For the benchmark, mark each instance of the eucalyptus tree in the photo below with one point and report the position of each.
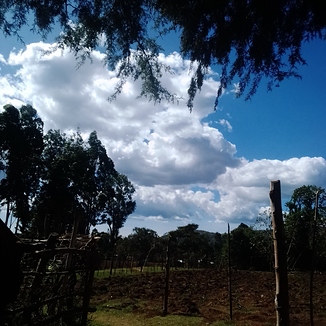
(298, 222)
(21, 146)
(103, 174)
(116, 202)
(117, 207)
(250, 40)
(190, 245)
(75, 174)
(143, 242)
(55, 204)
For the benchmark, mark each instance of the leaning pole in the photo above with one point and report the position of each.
(281, 276)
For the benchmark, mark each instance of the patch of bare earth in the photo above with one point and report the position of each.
(204, 293)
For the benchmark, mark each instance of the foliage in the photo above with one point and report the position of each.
(250, 40)
(21, 145)
(298, 226)
(142, 242)
(80, 181)
(103, 244)
(191, 247)
(244, 253)
(52, 180)
(118, 207)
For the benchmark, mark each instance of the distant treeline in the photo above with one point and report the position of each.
(251, 247)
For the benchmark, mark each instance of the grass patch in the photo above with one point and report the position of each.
(103, 273)
(124, 313)
(120, 318)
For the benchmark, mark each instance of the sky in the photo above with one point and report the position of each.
(206, 167)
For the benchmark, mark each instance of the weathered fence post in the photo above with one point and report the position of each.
(230, 271)
(282, 295)
(167, 277)
(313, 258)
(93, 263)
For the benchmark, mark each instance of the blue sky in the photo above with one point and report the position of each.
(208, 168)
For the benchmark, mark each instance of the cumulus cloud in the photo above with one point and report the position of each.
(244, 190)
(167, 152)
(226, 124)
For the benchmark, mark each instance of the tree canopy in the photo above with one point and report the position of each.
(21, 146)
(299, 224)
(49, 181)
(250, 40)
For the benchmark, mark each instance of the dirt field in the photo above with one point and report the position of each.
(205, 293)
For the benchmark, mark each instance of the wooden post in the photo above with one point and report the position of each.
(167, 278)
(313, 258)
(92, 258)
(72, 244)
(282, 295)
(230, 271)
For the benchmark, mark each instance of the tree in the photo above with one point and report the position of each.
(241, 247)
(77, 182)
(117, 204)
(52, 205)
(262, 240)
(298, 226)
(103, 174)
(66, 185)
(103, 244)
(191, 245)
(143, 241)
(21, 146)
(250, 40)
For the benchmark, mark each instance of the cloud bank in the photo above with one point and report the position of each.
(184, 170)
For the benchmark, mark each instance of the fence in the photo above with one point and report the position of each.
(56, 287)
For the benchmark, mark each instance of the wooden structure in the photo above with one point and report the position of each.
(11, 251)
(281, 276)
(54, 292)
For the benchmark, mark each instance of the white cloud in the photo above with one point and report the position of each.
(245, 189)
(166, 151)
(226, 124)
(2, 59)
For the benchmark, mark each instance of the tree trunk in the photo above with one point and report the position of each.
(147, 256)
(282, 295)
(8, 213)
(167, 278)
(112, 259)
(230, 271)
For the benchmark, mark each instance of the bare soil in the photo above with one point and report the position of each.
(204, 293)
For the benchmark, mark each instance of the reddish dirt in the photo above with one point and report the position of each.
(205, 293)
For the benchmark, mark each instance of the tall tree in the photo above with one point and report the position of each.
(190, 245)
(75, 176)
(143, 242)
(117, 204)
(298, 225)
(103, 173)
(21, 146)
(56, 202)
(250, 40)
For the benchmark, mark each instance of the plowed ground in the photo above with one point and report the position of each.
(205, 293)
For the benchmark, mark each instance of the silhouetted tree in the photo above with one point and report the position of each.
(21, 146)
(298, 226)
(143, 242)
(117, 204)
